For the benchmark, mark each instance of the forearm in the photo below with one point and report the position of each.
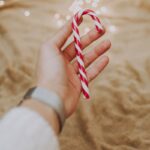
(23, 128)
(45, 111)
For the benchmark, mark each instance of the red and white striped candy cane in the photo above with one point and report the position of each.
(78, 46)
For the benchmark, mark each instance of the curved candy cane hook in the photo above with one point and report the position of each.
(78, 46)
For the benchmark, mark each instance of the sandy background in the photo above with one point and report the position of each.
(118, 116)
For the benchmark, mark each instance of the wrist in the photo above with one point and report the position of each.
(65, 97)
(53, 88)
(45, 111)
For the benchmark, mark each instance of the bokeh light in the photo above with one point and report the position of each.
(27, 13)
(112, 28)
(2, 2)
(101, 10)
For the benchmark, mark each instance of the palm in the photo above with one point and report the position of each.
(73, 79)
(68, 81)
(63, 77)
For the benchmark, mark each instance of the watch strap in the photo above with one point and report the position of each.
(49, 98)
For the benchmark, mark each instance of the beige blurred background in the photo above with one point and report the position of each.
(118, 116)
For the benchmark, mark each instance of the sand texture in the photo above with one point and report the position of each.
(118, 116)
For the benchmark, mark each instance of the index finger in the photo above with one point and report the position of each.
(61, 37)
(86, 40)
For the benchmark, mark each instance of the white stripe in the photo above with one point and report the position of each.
(78, 48)
(98, 25)
(76, 35)
(92, 14)
(75, 23)
(82, 73)
(80, 61)
(81, 12)
(96, 22)
(85, 87)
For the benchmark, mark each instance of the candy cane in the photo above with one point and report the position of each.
(78, 46)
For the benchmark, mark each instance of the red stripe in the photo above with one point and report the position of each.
(77, 18)
(75, 28)
(84, 80)
(82, 68)
(97, 20)
(78, 53)
(99, 29)
(77, 42)
(85, 94)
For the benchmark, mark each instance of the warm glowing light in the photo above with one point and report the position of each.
(104, 9)
(96, 1)
(91, 1)
(76, 6)
(98, 12)
(2, 2)
(88, 1)
(81, 2)
(112, 29)
(27, 13)
(68, 17)
(60, 23)
(57, 16)
(94, 4)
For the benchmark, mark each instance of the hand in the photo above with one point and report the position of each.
(57, 68)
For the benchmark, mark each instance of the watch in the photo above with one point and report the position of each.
(49, 98)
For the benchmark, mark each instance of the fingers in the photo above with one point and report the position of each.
(86, 40)
(61, 37)
(94, 70)
(91, 56)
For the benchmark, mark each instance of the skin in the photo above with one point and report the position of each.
(57, 71)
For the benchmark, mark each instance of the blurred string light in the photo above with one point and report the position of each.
(80, 4)
(2, 2)
(27, 13)
(57, 16)
(68, 17)
(112, 28)
(104, 10)
(60, 22)
(75, 6)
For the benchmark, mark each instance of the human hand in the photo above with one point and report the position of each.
(57, 68)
